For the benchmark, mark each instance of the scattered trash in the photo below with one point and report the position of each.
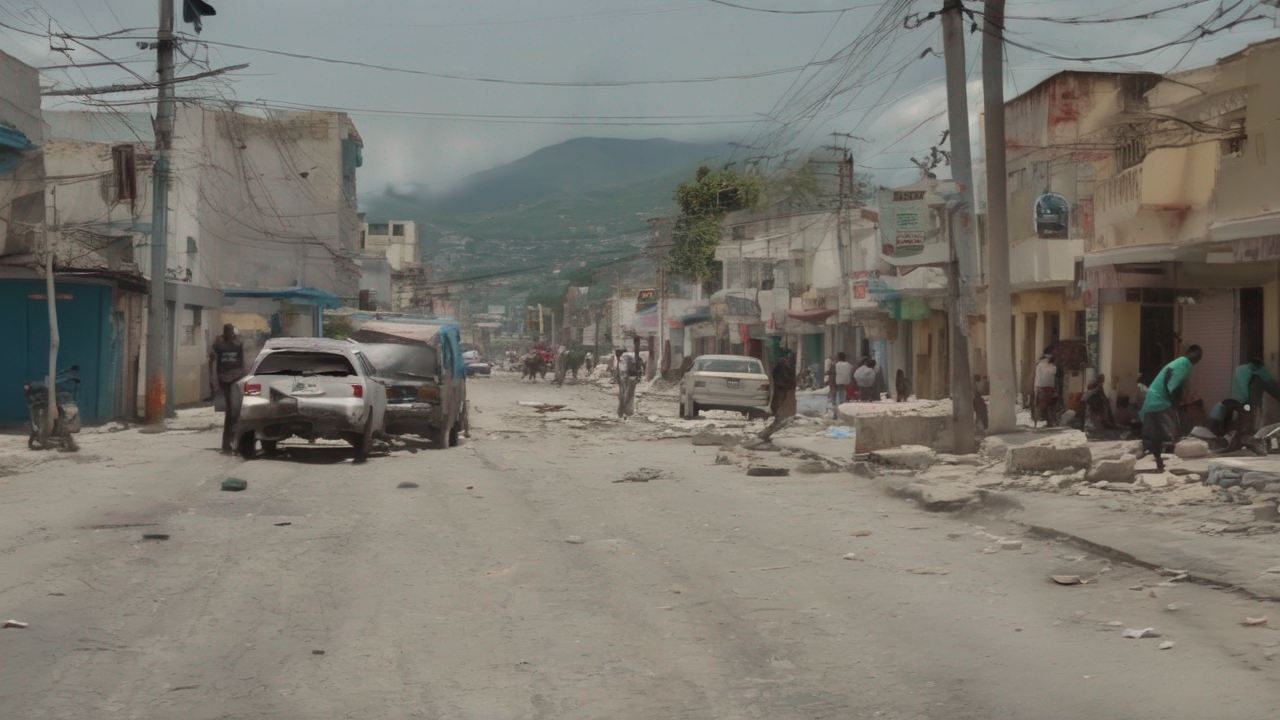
(15, 624)
(1139, 634)
(1138, 588)
(234, 485)
(642, 475)
(282, 524)
(1114, 623)
(1166, 645)
(1176, 606)
(775, 567)
(1010, 544)
(1068, 579)
(317, 652)
(471, 487)
(860, 533)
(930, 571)
(155, 536)
(839, 432)
(573, 540)
(407, 486)
(850, 556)
(990, 550)
(1254, 622)
(768, 472)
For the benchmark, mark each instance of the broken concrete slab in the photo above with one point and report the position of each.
(1191, 449)
(763, 471)
(1121, 470)
(994, 448)
(1059, 451)
(878, 426)
(705, 438)
(1066, 481)
(913, 457)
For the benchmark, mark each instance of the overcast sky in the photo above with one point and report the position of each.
(610, 40)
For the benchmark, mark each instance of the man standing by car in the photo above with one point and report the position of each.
(226, 363)
(784, 387)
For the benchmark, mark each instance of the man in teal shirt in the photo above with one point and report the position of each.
(1237, 412)
(1160, 410)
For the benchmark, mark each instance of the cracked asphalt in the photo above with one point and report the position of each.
(324, 590)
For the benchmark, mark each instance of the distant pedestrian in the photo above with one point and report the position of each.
(1160, 409)
(783, 403)
(1046, 389)
(829, 381)
(902, 386)
(980, 404)
(226, 364)
(843, 380)
(630, 369)
(866, 377)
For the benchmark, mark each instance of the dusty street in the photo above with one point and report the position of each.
(522, 579)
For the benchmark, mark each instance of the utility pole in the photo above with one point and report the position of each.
(960, 222)
(51, 409)
(157, 335)
(999, 306)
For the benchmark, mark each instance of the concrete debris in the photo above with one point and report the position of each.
(862, 470)
(1176, 606)
(643, 475)
(1156, 482)
(1134, 634)
(930, 571)
(1066, 481)
(993, 448)
(1265, 511)
(1166, 645)
(1121, 470)
(864, 533)
(970, 460)
(14, 624)
(765, 471)
(1010, 544)
(912, 457)
(1191, 449)
(850, 556)
(710, 437)
(990, 550)
(1138, 588)
(573, 540)
(1060, 451)
(407, 485)
(1068, 579)
(1254, 622)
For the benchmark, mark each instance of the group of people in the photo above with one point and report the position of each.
(844, 383)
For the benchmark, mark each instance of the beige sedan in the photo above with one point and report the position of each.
(725, 382)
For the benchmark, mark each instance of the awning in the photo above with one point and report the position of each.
(304, 295)
(811, 316)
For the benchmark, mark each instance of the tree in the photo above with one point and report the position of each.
(703, 204)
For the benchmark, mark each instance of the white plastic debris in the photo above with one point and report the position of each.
(1139, 634)
(1166, 645)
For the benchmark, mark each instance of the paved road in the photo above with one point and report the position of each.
(325, 591)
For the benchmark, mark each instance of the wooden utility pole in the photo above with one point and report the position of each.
(157, 335)
(999, 305)
(960, 224)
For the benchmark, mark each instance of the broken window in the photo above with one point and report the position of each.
(126, 172)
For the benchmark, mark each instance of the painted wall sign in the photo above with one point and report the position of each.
(910, 233)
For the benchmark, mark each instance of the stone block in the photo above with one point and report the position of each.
(874, 432)
(1061, 451)
(1121, 470)
(912, 457)
(1191, 448)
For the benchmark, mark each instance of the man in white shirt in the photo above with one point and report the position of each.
(843, 379)
(1046, 392)
(865, 377)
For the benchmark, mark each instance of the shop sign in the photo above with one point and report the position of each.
(908, 235)
(1257, 249)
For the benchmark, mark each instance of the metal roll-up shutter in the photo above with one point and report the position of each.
(1211, 324)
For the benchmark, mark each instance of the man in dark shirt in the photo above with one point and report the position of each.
(226, 364)
(784, 387)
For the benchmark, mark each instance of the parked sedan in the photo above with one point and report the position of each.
(725, 382)
(309, 388)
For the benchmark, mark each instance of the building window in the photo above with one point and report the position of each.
(126, 172)
(1233, 142)
(397, 230)
(378, 228)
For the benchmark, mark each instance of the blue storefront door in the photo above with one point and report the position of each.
(83, 322)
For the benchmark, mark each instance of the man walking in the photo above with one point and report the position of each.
(1160, 410)
(865, 377)
(843, 379)
(1045, 389)
(630, 368)
(783, 404)
(226, 363)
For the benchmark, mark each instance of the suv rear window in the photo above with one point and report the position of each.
(730, 366)
(284, 362)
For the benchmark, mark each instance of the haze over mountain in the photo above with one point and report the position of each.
(582, 188)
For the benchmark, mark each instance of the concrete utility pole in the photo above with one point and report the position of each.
(157, 335)
(51, 410)
(960, 229)
(999, 306)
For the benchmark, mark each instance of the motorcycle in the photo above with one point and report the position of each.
(67, 386)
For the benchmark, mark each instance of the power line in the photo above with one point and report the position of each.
(528, 119)
(793, 12)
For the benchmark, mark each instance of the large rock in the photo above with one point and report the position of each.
(1067, 451)
(1121, 471)
(1191, 449)
(913, 457)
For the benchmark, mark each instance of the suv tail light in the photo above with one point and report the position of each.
(252, 389)
(357, 390)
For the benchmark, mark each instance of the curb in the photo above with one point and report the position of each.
(1118, 555)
